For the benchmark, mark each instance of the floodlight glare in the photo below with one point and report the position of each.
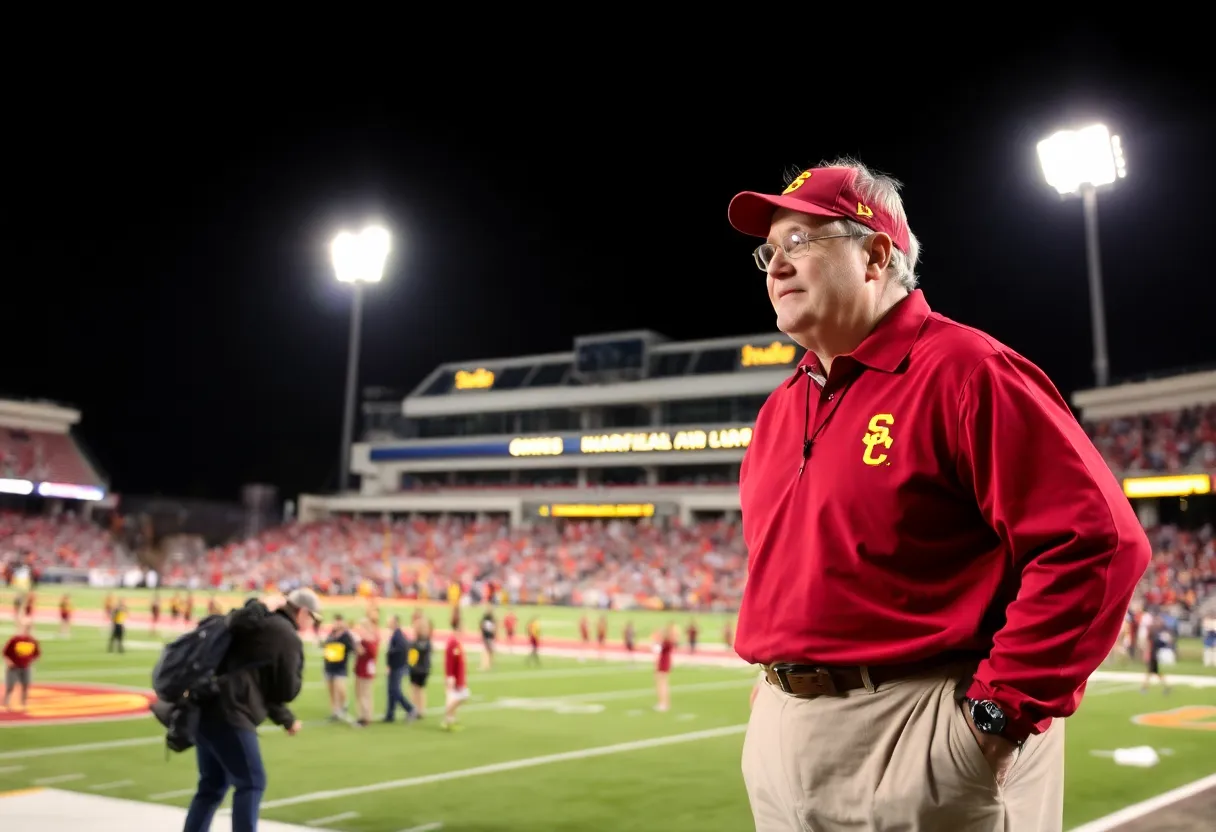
(360, 258)
(1073, 159)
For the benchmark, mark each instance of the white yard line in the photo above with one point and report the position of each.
(59, 778)
(1132, 676)
(168, 795)
(88, 673)
(11, 769)
(1146, 807)
(1106, 690)
(117, 784)
(528, 702)
(509, 765)
(426, 827)
(331, 819)
(513, 702)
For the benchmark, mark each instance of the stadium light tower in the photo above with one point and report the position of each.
(1081, 161)
(358, 258)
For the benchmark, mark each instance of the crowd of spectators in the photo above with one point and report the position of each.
(1158, 443)
(623, 563)
(63, 541)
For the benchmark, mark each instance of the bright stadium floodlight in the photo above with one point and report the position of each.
(1082, 161)
(358, 258)
(1074, 159)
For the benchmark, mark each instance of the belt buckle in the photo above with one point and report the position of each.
(820, 677)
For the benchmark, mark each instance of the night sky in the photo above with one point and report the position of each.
(166, 269)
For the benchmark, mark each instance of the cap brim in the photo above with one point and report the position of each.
(752, 213)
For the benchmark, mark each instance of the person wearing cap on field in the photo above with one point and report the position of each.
(938, 558)
(261, 673)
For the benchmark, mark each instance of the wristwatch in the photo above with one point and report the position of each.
(987, 716)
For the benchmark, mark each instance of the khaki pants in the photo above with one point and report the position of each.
(899, 758)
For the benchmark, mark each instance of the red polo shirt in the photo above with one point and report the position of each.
(950, 501)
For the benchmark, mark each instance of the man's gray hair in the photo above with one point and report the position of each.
(881, 190)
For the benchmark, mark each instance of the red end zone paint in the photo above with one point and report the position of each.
(51, 704)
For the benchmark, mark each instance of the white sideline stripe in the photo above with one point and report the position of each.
(105, 745)
(509, 765)
(489, 676)
(1114, 687)
(1145, 807)
(117, 784)
(59, 778)
(512, 702)
(426, 827)
(631, 693)
(167, 795)
(1130, 676)
(50, 675)
(10, 769)
(331, 819)
(479, 677)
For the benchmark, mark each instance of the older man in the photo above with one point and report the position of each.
(938, 556)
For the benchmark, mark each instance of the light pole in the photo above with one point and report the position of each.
(358, 258)
(1081, 161)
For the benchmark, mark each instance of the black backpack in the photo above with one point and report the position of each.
(185, 676)
(187, 666)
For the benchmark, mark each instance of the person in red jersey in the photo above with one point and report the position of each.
(938, 557)
(368, 650)
(692, 636)
(509, 624)
(65, 615)
(628, 635)
(455, 681)
(20, 653)
(584, 637)
(155, 610)
(664, 645)
(533, 657)
(601, 635)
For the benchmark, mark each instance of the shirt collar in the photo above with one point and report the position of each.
(886, 347)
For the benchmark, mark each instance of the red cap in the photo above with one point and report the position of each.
(820, 192)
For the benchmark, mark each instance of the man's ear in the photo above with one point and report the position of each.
(880, 248)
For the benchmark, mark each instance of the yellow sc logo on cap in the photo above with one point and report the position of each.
(797, 183)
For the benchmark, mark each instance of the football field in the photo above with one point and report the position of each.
(575, 744)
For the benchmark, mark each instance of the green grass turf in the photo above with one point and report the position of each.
(519, 714)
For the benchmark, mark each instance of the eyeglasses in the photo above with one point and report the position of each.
(795, 244)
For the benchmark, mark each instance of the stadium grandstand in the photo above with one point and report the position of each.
(461, 482)
(623, 425)
(39, 456)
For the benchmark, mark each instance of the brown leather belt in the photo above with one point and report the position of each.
(829, 680)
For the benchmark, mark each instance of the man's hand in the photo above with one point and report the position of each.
(274, 601)
(293, 728)
(998, 751)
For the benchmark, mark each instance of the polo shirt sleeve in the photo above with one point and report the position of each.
(1076, 547)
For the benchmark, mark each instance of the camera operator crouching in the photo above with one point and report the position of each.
(263, 671)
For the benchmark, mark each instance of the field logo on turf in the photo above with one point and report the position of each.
(51, 704)
(1190, 717)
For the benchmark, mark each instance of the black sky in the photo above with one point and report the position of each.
(166, 266)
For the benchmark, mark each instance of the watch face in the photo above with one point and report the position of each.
(988, 717)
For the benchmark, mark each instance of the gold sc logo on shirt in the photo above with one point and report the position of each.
(878, 435)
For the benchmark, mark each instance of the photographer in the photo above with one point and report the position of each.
(263, 671)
